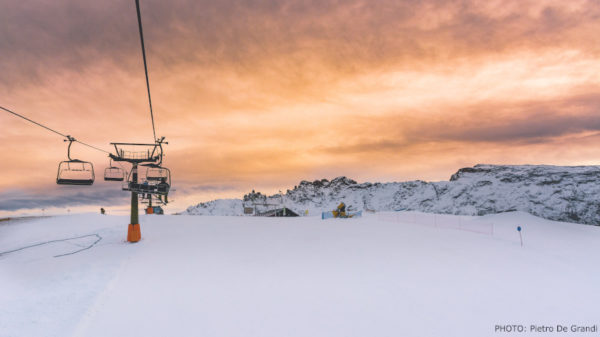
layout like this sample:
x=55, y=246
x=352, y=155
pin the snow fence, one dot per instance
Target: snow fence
x=447, y=221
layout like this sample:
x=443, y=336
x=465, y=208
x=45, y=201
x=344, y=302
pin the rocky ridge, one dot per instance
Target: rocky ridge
x=563, y=193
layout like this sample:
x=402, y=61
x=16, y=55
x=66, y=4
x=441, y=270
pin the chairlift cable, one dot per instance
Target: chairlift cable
x=91, y=146
x=52, y=130
x=34, y=122
x=139, y=16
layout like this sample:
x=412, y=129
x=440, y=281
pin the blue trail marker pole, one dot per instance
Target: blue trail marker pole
x=520, y=235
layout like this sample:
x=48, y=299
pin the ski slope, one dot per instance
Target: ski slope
x=249, y=276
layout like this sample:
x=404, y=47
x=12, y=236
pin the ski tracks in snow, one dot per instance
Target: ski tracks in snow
x=82, y=328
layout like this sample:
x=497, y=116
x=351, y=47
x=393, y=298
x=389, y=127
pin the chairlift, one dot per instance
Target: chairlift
x=74, y=171
x=157, y=179
x=157, y=173
x=159, y=176
x=113, y=173
x=158, y=183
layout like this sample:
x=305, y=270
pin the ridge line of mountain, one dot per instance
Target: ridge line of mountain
x=562, y=193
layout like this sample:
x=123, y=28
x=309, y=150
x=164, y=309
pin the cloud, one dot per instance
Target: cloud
x=526, y=122
x=292, y=44
x=12, y=200
x=266, y=92
x=497, y=123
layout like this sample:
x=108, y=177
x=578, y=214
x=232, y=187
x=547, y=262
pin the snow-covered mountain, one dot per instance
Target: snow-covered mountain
x=217, y=207
x=565, y=193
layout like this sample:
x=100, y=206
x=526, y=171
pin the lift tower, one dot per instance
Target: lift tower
x=145, y=155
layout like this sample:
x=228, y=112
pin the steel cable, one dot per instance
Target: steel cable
x=50, y=129
x=139, y=16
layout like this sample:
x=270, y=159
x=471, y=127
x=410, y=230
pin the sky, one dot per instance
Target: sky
x=263, y=94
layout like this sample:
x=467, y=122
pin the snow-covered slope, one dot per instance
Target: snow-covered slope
x=565, y=193
x=217, y=207
x=294, y=277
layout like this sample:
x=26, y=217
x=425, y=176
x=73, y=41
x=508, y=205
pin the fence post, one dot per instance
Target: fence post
x=520, y=235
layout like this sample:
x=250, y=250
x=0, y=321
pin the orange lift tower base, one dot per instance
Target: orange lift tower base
x=133, y=233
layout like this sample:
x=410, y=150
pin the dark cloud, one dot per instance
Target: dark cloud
x=192, y=187
x=12, y=200
x=540, y=128
x=42, y=38
x=291, y=41
x=510, y=123
x=531, y=122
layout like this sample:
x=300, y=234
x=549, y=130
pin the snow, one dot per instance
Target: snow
x=385, y=274
x=563, y=193
x=218, y=207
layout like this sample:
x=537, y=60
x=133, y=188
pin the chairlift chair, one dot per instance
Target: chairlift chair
x=158, y=176
x=157, y=173
x=157, y=181
x=74, y=171
x=113, y=173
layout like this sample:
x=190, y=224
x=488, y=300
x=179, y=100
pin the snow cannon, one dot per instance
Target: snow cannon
x=340, y=212
x=329, y=215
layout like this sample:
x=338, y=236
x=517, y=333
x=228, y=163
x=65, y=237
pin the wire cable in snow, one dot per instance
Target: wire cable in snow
x=59, y=240
x=85, y=248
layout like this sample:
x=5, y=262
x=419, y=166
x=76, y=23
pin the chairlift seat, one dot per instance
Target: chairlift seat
x=157, y=173
x=114, y=174
x=75, y=181
x=160, y=189
x=75, y=172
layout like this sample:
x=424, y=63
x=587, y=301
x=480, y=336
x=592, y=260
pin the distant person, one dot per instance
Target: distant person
x=102, y=211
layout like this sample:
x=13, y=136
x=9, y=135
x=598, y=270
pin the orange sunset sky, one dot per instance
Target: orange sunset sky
x=263, y=94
